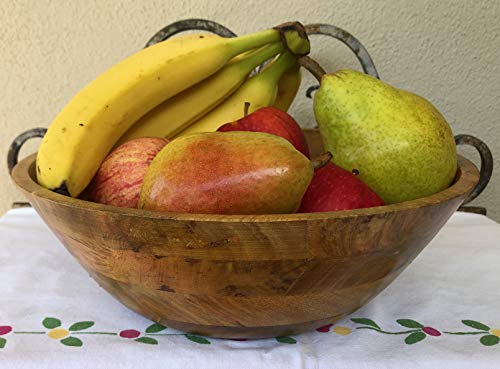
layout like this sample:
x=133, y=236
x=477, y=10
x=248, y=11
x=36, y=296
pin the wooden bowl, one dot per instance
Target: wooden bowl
x=245, y=276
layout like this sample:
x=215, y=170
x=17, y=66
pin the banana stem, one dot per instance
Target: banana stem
x=322, y=160
x=294, y=37
x=254, y=40
x=312, y=66
x=259, y=56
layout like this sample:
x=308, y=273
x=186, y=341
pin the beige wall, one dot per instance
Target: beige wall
x=446, y=51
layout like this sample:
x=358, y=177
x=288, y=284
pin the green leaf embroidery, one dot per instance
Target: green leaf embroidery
x=148, y=340
x=197, y=339
x=414, y=338
x=72, y=341
x=3, y=341
x=155, y=328
x=489, y=340
x=365, y=322
x=51, y=323
x=286, y=339
x=80, y=326
x=476, y=325
x=409, y=323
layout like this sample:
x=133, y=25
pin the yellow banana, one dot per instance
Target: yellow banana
x=259, y=91
x=288, y=86
x=175, y=114
x=87, y=128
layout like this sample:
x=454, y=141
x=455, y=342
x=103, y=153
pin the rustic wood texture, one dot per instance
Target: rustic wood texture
x=245, y=276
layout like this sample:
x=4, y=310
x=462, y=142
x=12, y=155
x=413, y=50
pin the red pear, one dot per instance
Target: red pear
x=334, y=188
x=228, y=173
x=119, y=179
x=274, y=121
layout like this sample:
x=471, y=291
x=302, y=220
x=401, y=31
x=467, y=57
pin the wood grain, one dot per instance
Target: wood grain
x=245, y=276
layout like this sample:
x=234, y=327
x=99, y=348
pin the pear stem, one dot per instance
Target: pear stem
x=312, y=66
x=322, y=160
x=246, y=108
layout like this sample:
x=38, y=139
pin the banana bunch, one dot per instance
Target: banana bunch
x=188, y=83
x=179, y=112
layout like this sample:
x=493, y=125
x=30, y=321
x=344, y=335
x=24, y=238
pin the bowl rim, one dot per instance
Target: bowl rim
x=466, y=178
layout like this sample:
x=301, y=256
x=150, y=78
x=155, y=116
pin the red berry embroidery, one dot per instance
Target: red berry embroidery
x=130, y=333
x=431, y=331
x=4, y=329
x=324, y=329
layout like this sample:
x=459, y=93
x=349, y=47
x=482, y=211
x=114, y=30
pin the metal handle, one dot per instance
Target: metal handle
x=189, y=25
x=19, y=141
x=484, y=172
x=350, y=41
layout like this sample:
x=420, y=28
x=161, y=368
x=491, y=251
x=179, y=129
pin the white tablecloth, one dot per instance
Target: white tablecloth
x=442, y=312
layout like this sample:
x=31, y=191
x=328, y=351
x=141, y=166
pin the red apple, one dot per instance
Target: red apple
x=274, y=121
x=334, y=188
x=118, y=181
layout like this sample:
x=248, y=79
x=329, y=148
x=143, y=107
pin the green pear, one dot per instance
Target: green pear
x=228, y=173
x=400, y=144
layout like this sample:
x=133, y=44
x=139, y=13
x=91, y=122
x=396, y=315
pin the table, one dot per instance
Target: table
x=442, y=312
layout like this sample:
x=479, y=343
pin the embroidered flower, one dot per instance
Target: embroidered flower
x=58, y=333
x=65, y=335
x=343, y=331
